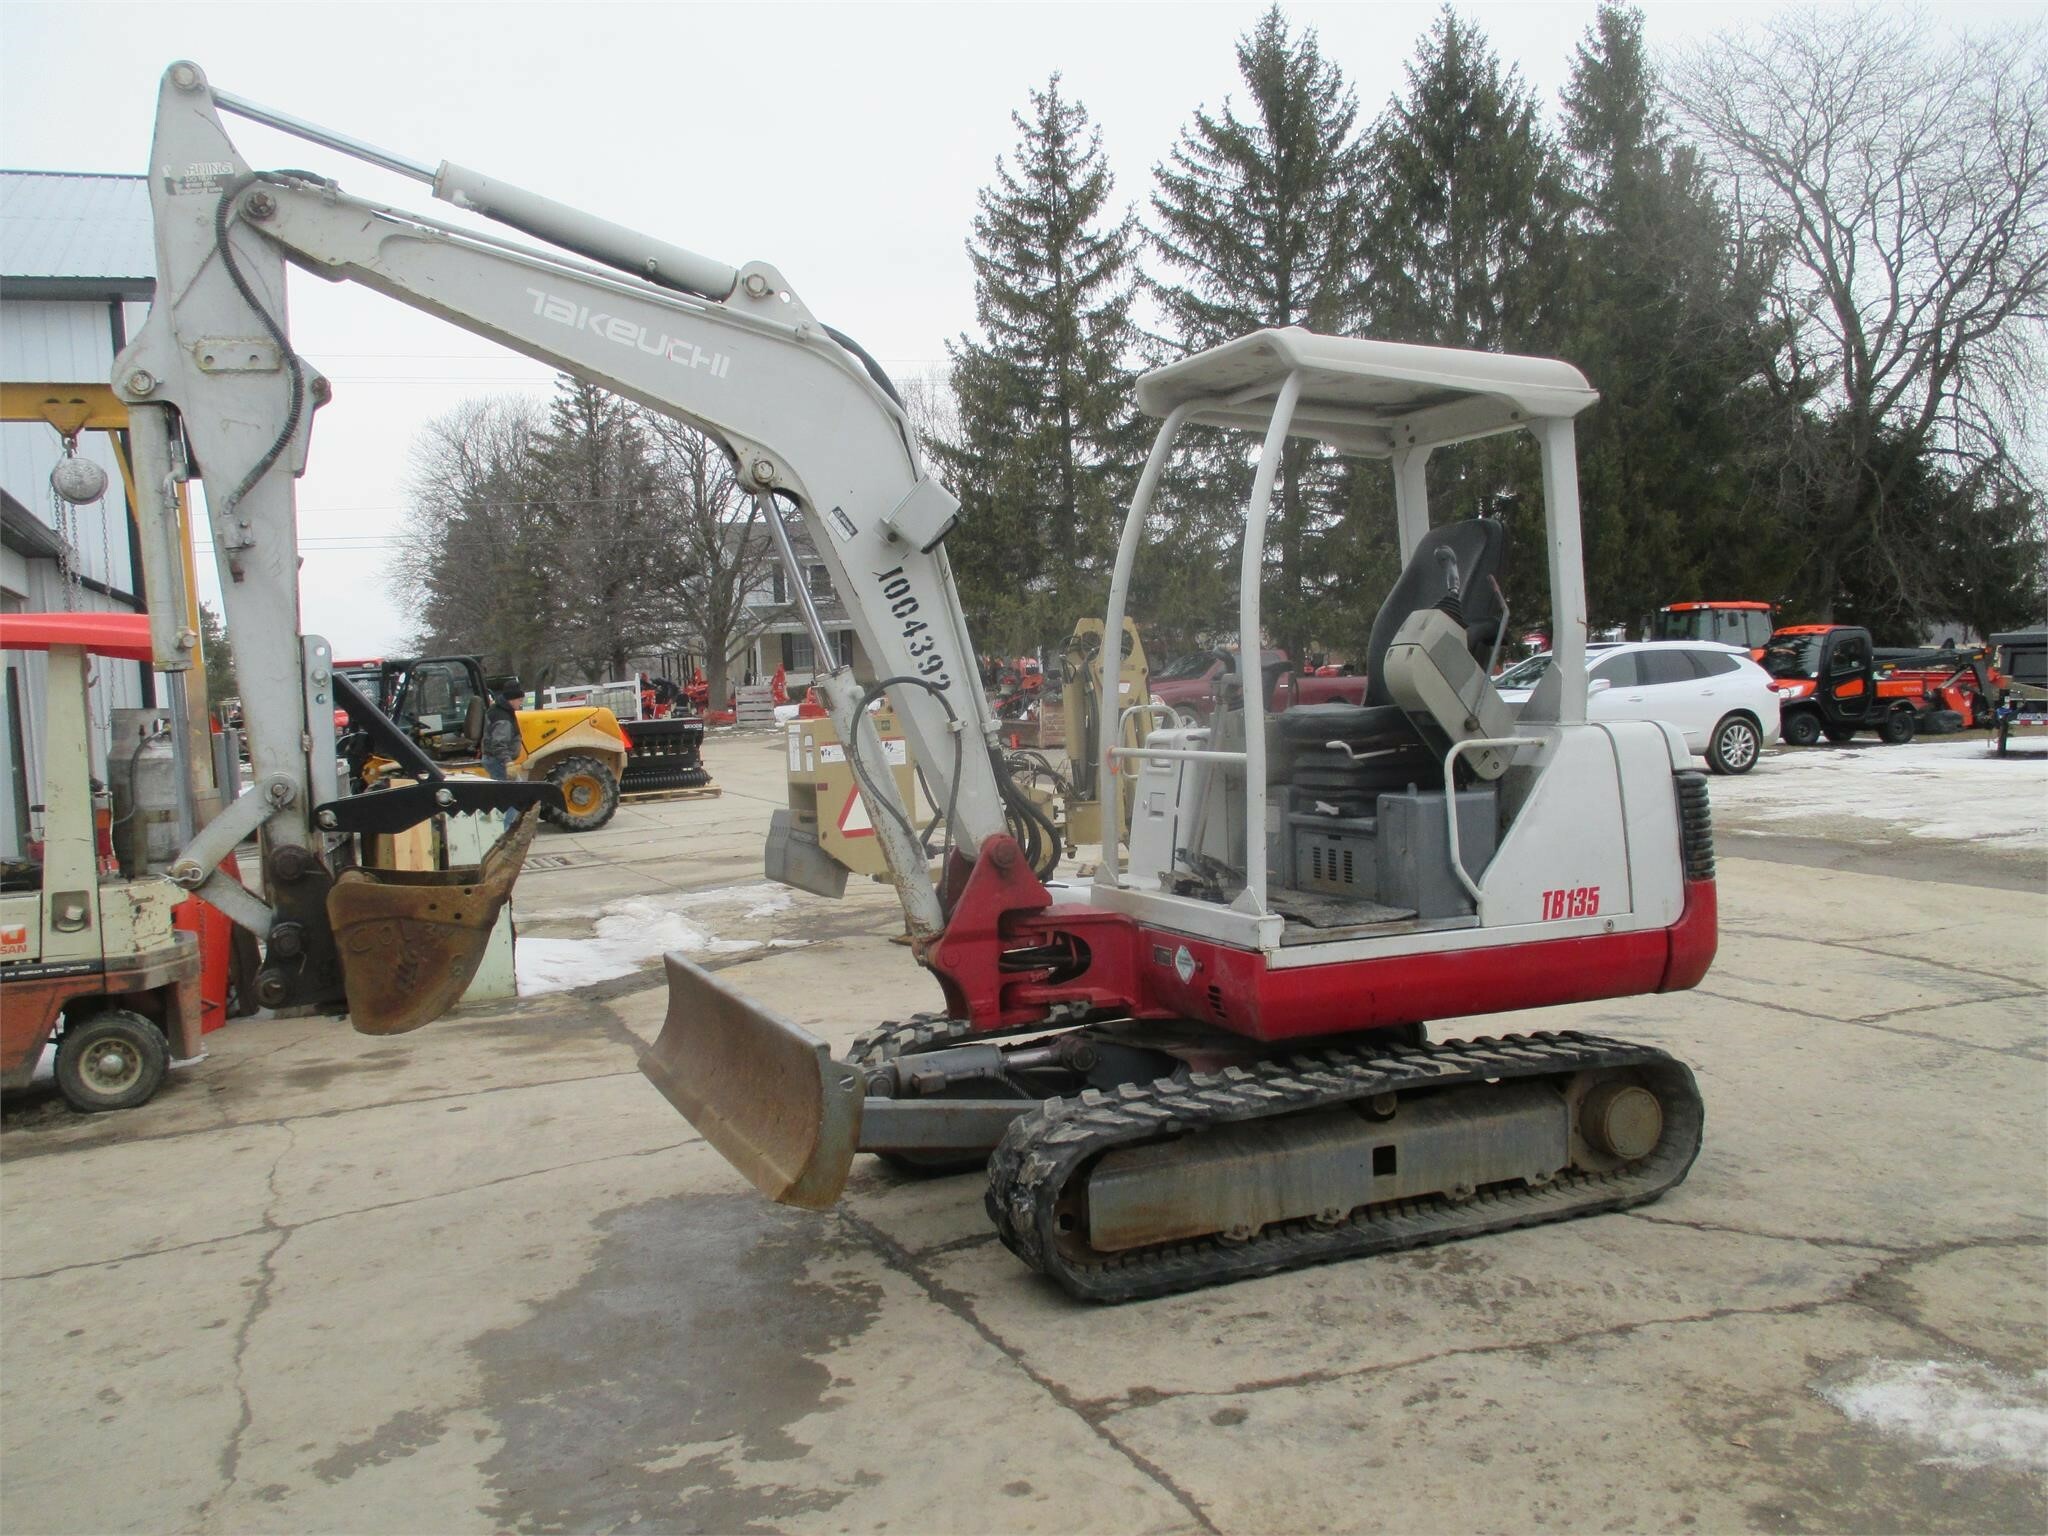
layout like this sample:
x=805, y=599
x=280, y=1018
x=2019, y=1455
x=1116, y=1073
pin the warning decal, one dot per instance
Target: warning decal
x=853, y=819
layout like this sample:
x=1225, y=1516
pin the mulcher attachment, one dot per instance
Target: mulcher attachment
x=1333, y=1154
x=666, y=754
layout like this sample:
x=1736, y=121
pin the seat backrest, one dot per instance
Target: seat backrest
x=1475, y=546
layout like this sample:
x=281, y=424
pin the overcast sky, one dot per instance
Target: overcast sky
x=843, y=143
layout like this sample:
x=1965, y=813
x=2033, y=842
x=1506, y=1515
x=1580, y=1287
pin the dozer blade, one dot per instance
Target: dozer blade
x=410, y=940
x=765, y=1093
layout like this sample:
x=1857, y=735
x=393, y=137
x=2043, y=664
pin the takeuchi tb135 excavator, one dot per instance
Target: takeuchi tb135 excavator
x=1209, y=1061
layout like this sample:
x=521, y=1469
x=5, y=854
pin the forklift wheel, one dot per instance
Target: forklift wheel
x=1801, y=727
x=1898, y=727
x=113, y=1060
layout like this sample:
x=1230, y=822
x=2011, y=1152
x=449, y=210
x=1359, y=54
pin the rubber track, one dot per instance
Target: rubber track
x=906, y=1037
x=1043, y=1152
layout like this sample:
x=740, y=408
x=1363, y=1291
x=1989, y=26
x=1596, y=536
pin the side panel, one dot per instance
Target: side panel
x=1568, y=836
x=1648, y=756
x=1236, y=990
x=21, y=928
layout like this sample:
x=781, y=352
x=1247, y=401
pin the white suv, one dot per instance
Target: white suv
x=1719, y=698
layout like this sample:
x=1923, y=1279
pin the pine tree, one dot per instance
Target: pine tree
x=220, y=658
x=605, y=500
x=1258, y=220
x=1047, y=446
x=1465, y=251
x=1664, y=325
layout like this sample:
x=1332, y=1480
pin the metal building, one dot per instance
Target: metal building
x=77, y=268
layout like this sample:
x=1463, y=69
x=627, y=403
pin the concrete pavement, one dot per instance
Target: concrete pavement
x=484, y=1278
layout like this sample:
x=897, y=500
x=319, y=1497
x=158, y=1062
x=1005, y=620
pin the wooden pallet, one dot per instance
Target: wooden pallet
x=650, y=796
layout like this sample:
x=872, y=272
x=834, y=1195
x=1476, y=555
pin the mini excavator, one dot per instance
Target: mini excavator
x=1210, y=1060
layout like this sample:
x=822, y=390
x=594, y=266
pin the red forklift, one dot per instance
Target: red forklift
x=100, y=963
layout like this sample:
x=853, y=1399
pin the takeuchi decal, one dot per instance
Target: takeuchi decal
x=623, y=332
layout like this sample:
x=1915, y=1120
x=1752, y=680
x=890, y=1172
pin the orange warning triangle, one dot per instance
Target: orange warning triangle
x=853, y=820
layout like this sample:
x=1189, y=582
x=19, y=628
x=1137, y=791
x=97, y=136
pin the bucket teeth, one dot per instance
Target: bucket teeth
x=410, y=940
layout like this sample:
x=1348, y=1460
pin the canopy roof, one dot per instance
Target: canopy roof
x=1367, y=397
x=125, y=635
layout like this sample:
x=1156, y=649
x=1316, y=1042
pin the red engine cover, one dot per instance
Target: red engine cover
x=1006, y=943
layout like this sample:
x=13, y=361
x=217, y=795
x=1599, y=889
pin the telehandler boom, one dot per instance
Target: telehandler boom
x=1208, y=1062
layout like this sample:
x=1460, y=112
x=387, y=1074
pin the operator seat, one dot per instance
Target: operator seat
x=1400, y=754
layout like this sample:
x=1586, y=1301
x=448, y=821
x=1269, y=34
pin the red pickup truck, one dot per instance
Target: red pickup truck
x=1189, y=683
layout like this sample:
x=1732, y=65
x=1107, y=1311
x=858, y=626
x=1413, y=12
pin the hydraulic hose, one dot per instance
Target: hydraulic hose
x=294, y=368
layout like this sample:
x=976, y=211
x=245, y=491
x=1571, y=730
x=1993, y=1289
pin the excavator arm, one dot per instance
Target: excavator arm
x=218, y=393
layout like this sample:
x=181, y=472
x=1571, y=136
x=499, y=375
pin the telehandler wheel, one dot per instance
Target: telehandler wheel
x=590, y=792
x=1800, y=727
x=113, y=1060
x=1898, y=727
x=1735, y=745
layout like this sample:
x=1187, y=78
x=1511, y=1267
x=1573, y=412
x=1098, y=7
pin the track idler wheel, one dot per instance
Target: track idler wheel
x=410, y=940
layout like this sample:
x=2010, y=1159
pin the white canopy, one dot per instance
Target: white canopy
x=1367, y=397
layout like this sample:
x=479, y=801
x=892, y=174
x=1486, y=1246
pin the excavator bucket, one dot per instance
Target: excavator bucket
x=410, y=940
x=765, y=1093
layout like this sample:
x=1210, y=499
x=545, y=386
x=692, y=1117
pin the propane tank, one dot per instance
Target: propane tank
x=142, y=771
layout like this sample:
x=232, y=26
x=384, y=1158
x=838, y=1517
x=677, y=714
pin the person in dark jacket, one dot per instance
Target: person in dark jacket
x=501, y=737
x=501, y=731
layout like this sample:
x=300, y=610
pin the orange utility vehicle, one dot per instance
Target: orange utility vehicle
x=1829, y=684
x=1745, y=624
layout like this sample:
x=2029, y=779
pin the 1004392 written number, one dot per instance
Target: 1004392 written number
x=920, y=640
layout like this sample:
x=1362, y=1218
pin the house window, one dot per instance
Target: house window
x=778, y=590
x=845, y=642
x=821, y=582
x=803, y=656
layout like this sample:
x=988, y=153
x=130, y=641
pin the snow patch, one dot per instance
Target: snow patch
x=636, y=929
x=777, y=900
x=1969, y=1415
x=760, y=897
x=1958, y=790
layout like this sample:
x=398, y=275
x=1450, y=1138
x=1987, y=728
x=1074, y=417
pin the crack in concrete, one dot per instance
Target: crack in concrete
x=1869, y=1291
x=1858, y=1295
x=956, y=1245
x=288, y=1228
x=900, y=1259
x=28, y=1153
x=259, y=1303
x=1868, y=946
x=1732, y=1230
x=1872, y=944
x=1148, y=1397
x=1876, y=1021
